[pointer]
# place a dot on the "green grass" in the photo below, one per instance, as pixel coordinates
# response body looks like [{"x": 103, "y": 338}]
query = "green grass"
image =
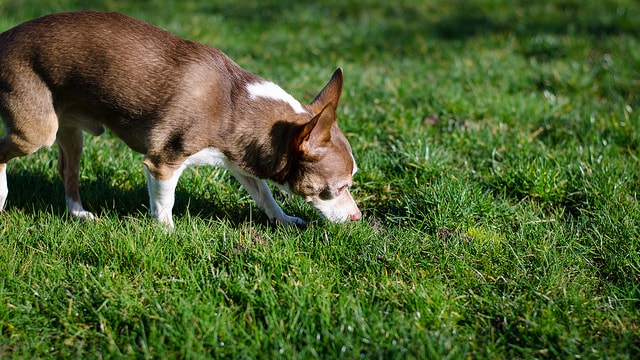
[{"x": 500, "y": 186}]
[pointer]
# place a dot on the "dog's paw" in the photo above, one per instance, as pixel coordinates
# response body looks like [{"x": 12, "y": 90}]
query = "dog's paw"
[
  {"x": 82, "y": 215},
  {"x": 165, "y": 219},
  {"x": 291, "y": 221},
  {"x": 76, "y": 211}
]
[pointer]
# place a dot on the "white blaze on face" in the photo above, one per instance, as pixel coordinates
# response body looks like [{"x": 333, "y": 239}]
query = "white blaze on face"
[{"x": 270, "y": 90}]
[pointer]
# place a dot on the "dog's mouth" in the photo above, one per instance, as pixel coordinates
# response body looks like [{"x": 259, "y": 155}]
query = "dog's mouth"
[{"x": 340, "y": 209}]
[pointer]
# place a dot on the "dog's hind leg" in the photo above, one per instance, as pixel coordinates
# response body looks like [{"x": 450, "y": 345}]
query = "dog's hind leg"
[
  {"x": 26, "y": 137},
  {"x": 69, "y": 140},
  {"x": 4, "y": 190},
  {"x": 30, "y": 123}
]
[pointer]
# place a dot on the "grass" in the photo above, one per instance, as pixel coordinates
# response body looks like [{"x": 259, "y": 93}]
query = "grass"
[{"x": 500, "y": 180}]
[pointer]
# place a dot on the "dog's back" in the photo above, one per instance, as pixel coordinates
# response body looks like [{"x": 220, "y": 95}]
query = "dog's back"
[
  {"x": 120, "y": 63},
  {"x": 111, "y": 68},
  {"x": 178, "y": 102}
]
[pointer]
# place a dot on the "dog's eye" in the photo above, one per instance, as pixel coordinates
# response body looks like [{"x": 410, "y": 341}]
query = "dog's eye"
[
  {"x": 326, "y": 194},
  {"x": 342, "y": 188}
]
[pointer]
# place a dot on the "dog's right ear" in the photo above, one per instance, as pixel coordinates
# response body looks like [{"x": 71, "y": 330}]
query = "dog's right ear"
[
  {"x": 330, "y": 94},
  {"x": 312, "y": 138}
]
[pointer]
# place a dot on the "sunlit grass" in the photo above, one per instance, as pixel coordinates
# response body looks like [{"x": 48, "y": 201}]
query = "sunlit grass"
[{"x": 499, "y": 176}]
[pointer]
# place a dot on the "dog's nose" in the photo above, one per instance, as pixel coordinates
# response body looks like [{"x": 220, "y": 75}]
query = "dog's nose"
[{"x": 356, "y": 216}]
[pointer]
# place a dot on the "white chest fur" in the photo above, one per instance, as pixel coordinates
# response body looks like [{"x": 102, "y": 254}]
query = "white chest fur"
[{"x": 206, "y": 157}]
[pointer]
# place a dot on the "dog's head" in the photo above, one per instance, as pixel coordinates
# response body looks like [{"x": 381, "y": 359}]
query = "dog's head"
[{"x": 325, "y": 165}]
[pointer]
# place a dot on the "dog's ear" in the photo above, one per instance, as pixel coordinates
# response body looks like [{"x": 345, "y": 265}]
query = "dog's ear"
[
  {"x": 315, "y": 135},
  {"x": 330, "y": 94}
]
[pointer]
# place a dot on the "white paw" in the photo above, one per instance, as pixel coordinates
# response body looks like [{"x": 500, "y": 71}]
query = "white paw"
[
  {"x": 77, "y": 211},
  {"x": 165, "y": 219},
  {"x": 82, "y": 215},
  {"x": 290, "y": 221}
]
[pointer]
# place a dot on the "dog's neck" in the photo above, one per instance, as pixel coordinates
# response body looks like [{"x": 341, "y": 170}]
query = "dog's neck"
[
  {"x": 262, "y": 142},
  {"x": 266, "y": 158}
]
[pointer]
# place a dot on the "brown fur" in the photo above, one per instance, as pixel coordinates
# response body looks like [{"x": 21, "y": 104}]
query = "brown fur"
[{"x": 164, "y": 96}]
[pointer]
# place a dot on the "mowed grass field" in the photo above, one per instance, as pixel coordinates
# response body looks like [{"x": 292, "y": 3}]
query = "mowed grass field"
[{"x": 499, "y": 179}]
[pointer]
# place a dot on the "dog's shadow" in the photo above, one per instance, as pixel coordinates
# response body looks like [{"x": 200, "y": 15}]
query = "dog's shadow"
[{"x": 32, "y": 191}]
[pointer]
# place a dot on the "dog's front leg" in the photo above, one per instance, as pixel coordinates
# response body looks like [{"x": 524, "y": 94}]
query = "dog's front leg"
[
  {"x": 162, "y": 195},
  {"x": 259, "y": 191}
]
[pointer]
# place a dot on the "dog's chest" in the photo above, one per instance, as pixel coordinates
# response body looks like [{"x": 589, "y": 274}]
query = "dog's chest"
[{"x": 207, "y": 157}]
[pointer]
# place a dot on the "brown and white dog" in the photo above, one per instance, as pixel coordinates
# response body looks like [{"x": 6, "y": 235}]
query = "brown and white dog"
[{"x": 178, "y": 102}]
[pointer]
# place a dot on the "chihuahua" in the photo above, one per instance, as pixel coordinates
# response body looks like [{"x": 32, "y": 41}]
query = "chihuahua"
[{"x": 178, "y": 102}]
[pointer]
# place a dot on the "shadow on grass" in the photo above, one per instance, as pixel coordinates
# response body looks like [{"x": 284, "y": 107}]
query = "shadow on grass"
[{"x": 32, "y": 191}]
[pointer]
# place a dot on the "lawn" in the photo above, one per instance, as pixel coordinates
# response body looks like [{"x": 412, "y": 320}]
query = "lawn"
[{"x": 499, "y": 180}]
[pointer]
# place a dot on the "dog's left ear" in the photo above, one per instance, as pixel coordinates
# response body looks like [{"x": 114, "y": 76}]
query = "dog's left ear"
[{"x": 330, "y": 94}]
